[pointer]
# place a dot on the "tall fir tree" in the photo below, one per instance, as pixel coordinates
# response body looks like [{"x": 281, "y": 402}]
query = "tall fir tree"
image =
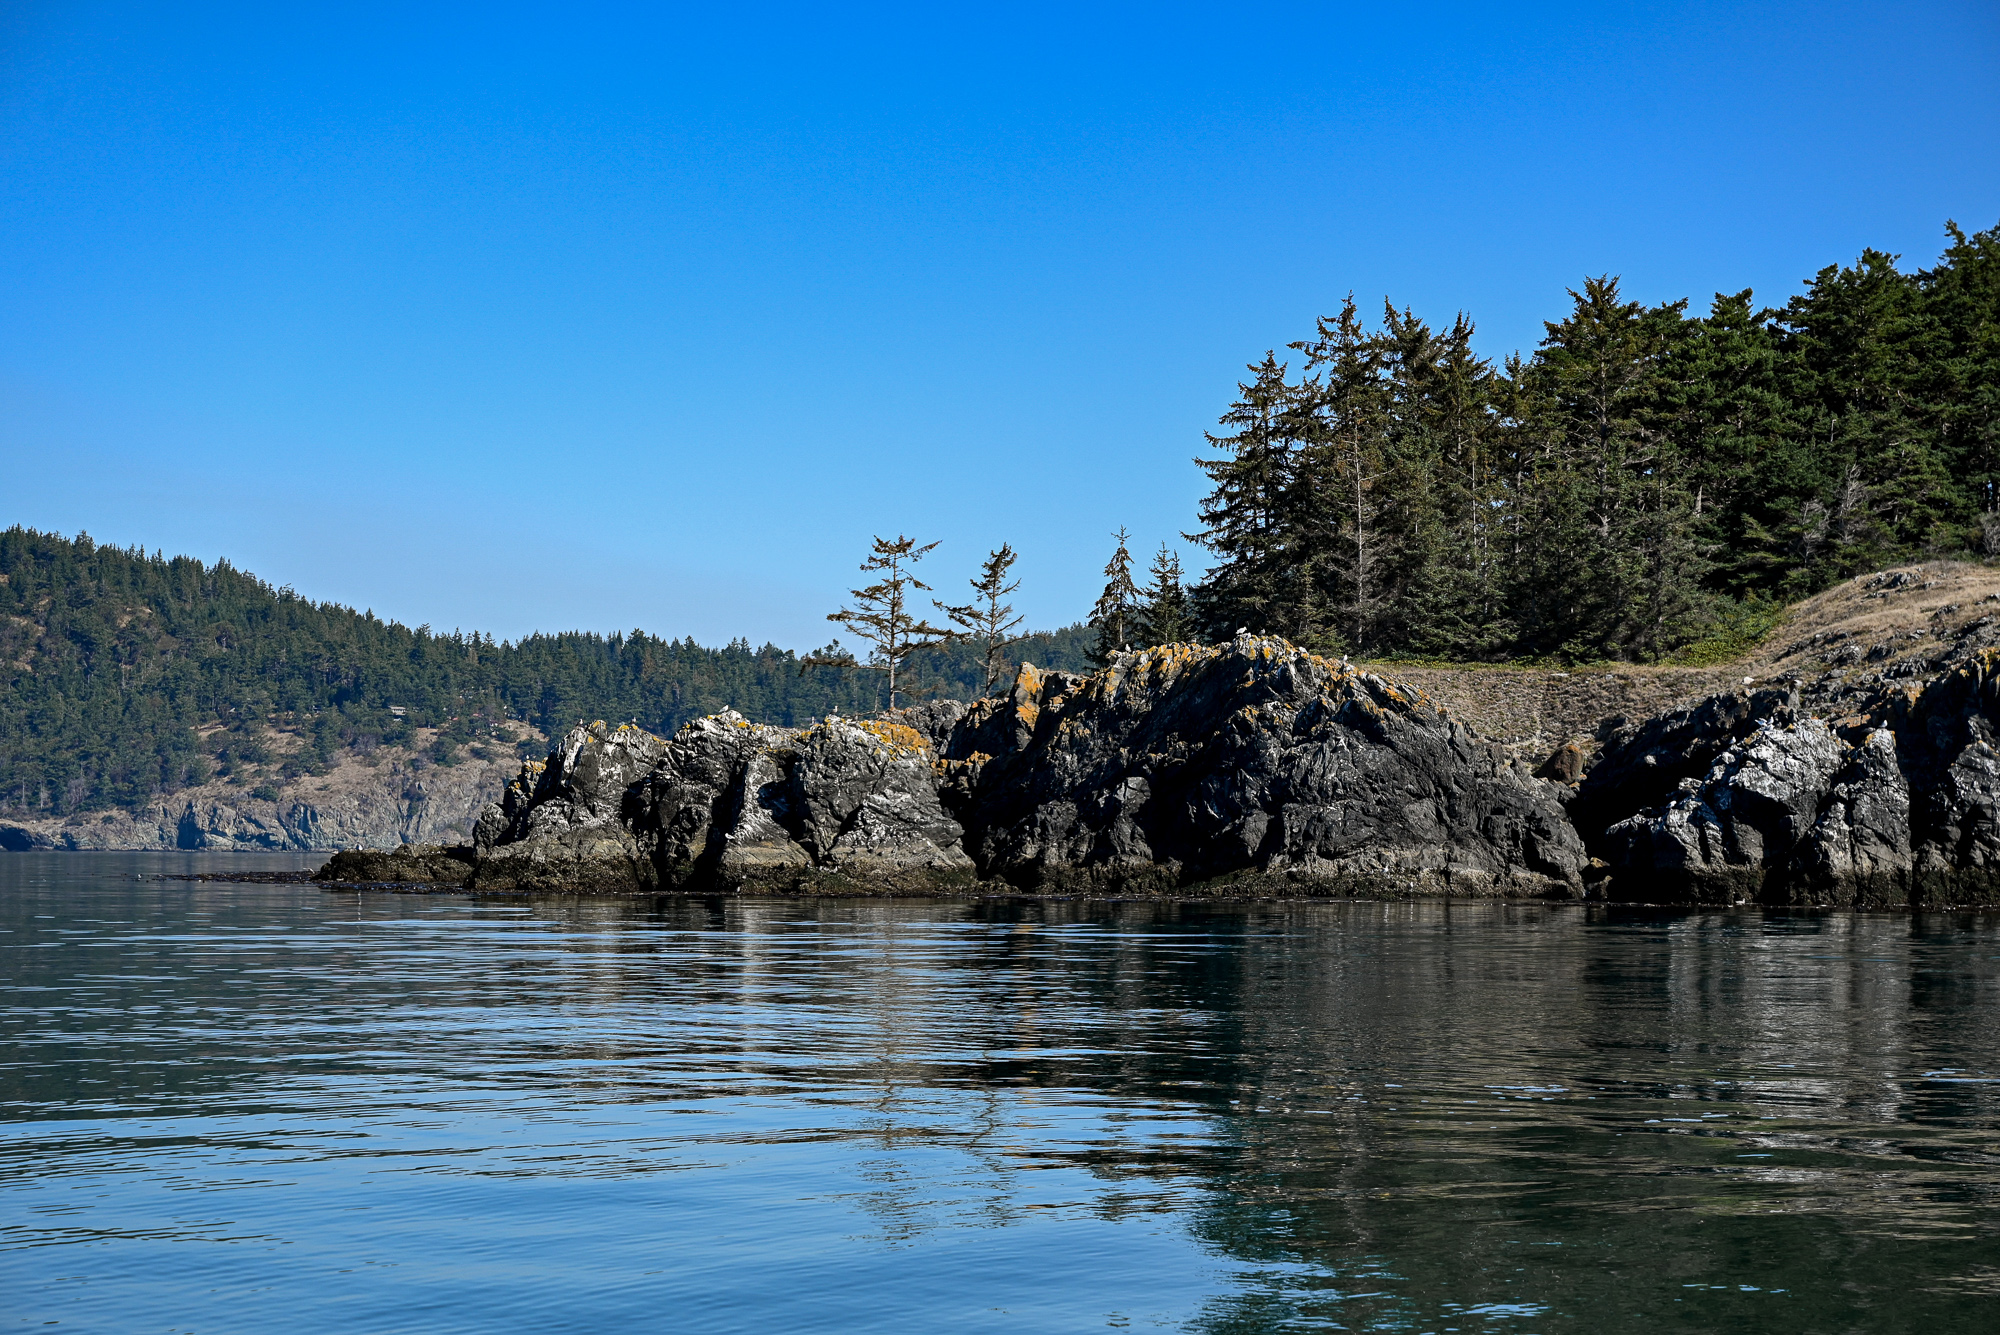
[
  {"x": 1116, "y": 614},
  {"x": 1343, "y": 510},
  {"x": 1245, "y": 518},
  {"x": 1163, "y": 608}
]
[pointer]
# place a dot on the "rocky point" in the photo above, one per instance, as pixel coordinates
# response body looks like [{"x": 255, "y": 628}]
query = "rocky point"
[{"x": 1854, "y": 761}]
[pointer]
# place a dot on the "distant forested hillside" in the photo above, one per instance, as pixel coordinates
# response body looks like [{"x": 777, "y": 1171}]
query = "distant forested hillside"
[
  {"x": 124, "y": 675},
  {"x": 1643, "y": 478}
]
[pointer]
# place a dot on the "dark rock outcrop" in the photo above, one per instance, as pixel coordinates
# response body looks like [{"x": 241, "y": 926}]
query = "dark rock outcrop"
[
  {"x": 1644, "y": 764},
  {"x": 842, "y": 805},
  {"x": 1896, "y": 802},
  {"x": 412, "y": 864},
  {"x": 1248, "y": 768},
  {"x": 1256, "y": 764},
  {"x": 1256, "y": 768}
]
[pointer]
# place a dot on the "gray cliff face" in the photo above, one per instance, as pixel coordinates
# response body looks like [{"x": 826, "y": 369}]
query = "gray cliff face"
[
  {"x": 358, "y": 806},
  {"x": 1897, "y": 802},
  {"x": 1251, "y": 765}
]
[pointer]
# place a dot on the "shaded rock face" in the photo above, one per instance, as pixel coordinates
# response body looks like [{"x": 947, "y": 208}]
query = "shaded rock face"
[
  {"x": 1722, "y": 835},
  {"x": 1643, "y": 765},
  {"x": 1255, "y": 761},
  {"x": 1896, "y": 804},
  {"x": 1254, "y": 765}
]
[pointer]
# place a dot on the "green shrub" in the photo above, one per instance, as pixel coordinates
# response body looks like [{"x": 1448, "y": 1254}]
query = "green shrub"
[{"x": 1738, "y": 628}]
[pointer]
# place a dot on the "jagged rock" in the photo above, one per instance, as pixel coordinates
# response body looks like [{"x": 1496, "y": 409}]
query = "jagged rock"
[
  {"x": 424, "y": 864},
  {"x": 1904, "y": 809},
  {"x": 1860, "y": 849},
  {"x": 724, "y": 803},
  {"x": 935, "y": 719},
  {"x": 1723, "y": 836},
  {"x": 1643, "y": 764},
  {"x": 1255, "y": 763},
  {"x": 564, "y": 823},
  {"x": 865, "y": 799}
]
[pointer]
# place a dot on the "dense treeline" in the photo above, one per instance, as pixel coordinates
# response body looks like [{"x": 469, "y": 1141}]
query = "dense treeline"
[
  {"x": 1644, "y": 476},
  {"x": 118, "y": 668}
]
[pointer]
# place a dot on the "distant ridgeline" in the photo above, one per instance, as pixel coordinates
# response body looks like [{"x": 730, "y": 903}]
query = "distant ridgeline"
[
  {"x": 1645, "y": 478},
  {"x": 116, "y": 668}
]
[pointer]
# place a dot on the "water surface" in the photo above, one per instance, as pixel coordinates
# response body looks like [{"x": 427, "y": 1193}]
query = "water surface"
[{"x": 248, "y": 1108}]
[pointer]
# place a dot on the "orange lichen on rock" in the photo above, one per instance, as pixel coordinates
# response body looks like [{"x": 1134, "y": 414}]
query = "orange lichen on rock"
[{"x": 900, "y": 738}]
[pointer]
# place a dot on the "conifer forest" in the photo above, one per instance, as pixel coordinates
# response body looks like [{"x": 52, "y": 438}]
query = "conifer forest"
[{"x": 1646, "y": 479}]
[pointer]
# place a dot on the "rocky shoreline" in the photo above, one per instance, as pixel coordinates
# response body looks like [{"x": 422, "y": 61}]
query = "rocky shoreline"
[
  {"x": 1255, "y": 769},
  {"x": 1852, "y": 758}
]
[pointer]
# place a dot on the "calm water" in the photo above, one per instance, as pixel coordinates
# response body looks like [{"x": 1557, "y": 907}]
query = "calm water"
[{"x": 263, "y": 1108}]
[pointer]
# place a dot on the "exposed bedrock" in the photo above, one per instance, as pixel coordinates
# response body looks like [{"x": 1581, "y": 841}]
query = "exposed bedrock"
[
  {"x": 1256, "y": 763},
  {"x": 842, "y": 805},
  {"x": 1251, "y": 767},
  {"x": 1896, "y": 803},
  {"x": 1258, "y": 768}
]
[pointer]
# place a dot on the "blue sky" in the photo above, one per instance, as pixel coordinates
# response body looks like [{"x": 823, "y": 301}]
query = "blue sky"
[{"x": 514, "y": 317}]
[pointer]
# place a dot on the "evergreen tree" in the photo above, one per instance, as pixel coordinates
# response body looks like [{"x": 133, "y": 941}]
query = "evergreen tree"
[
  {"x": 1345, "y": 543},
  {"x": 1448, "y": 599},
  {"x": 1163, "y": 610},
  {"x": 1245, "y": 517},
  {"x": 1116, "y": 613},
  {"x": 1610, "y": 565},
  {"x": 1955, "y": 368},
  {"x": 1727, "y": 418},
  {"x": 989, "y": 623},
  {"x": 1853, "y": 346},
  {"x": 881, "y": 616}
]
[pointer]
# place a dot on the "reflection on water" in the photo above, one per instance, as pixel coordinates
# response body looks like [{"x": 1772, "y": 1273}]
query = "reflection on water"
[{"x": 251, "y": 1108}]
